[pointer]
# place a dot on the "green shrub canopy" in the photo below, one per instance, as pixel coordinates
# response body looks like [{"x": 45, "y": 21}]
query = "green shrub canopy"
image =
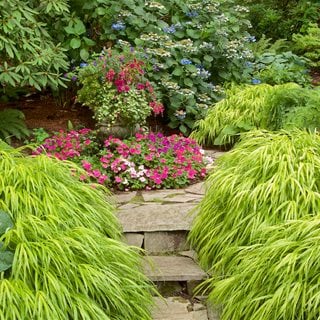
[
  {"x": 68, "y": 262},
  {"x": 259, "y": 107},
  {"x": 268, "y": 178}
]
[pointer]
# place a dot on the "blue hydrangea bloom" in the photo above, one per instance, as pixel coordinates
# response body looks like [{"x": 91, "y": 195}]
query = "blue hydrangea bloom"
[
  {"x": 192, "y": 14},
  {"x": 255, "y": 81},
  {"x": 171, "y": 29},
  {"x": 118, "y": 26},
  {"x": 185, "y": 61},
  {"x": 248, "y": 64},
  {"x": 251, "y": 39}
]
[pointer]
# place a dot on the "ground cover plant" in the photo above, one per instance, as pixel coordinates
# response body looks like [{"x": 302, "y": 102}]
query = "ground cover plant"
[
  {"x": 275, "y": 278},
  {"x": 69, "y": 262},
  {"x": 267, "y": 179},
  {"x": 258, "y": 106},
  {"x": 145, "y": 161}
]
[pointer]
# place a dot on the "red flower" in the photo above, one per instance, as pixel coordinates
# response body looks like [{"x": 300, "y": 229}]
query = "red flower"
[{"x": 110, "y": 75}]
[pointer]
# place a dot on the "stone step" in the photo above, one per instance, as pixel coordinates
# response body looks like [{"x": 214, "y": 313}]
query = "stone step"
[
  {"x": 178, "y": 308},
  {"x": 172, "y": 268},
  {"x": 157, "y": 217}
]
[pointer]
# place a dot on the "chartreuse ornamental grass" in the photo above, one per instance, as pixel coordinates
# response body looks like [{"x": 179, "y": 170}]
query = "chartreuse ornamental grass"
[
  {"x": 268, "y": 178},
  {"x": 68, "y": 260},
  {"x": 277, "y": 278},
  {"x": 259, "y": 107}
]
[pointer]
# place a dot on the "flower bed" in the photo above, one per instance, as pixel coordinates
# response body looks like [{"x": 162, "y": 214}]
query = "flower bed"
[{"x": 146, "y": 161}]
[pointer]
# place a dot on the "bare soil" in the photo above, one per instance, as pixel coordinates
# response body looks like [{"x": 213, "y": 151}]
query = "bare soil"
[{"x": 43, "y": 111}]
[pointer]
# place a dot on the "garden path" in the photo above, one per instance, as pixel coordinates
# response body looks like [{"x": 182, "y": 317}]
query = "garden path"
[{"x": 159, "y": 221}]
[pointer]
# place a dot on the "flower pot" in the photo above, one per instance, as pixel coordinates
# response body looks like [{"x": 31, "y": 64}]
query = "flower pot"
[{"x": 118, "y": 130}]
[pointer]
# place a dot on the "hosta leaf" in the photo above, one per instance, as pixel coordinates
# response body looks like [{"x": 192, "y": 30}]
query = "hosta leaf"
[
  {"x": 6, "y": 259},
  {"x": 5, "y": 222}
]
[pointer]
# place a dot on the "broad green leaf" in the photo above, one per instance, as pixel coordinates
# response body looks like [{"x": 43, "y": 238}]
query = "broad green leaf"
[
  {"x": 6, "y": 259},
  {"x": 178, "y": 71},
  {"x": 84, "y": 54},
  {"x": 5, "y": 222},
  {"x": 75, "y": 43},
  {"x": 208, "y": 58},
  {"x": 79, "y": 28}
]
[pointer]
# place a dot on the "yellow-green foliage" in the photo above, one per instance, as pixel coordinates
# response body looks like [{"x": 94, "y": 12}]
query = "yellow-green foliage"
[
  {"x": 275, "y": 279},
  {"x": 244, "y": 109},
  {"x": 68, "y": 261},
  {"x": 268, "y": 178}
]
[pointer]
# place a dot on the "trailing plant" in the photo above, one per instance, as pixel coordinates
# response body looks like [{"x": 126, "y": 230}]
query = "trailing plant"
[
  {"x": 261, "y": 106},
  {"x": 68, "y": 260},
  {"x": 276, "y": 278},
  {"x": 267, "y": 179},
  {"x": 146, "y": 161},
  {"x": 12, "y": 124},
  {"x": 308, "y": 44}
]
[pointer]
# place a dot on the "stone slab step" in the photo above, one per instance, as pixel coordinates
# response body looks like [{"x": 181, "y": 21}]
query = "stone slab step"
[
  {"x": 157, "y": 217},
  {"x": 172, "y": 268},
  {"x": 178, "y": 308}
]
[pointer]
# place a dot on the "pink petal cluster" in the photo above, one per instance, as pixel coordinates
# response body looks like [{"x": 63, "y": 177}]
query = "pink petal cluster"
[{"x": 146, "y": 161}]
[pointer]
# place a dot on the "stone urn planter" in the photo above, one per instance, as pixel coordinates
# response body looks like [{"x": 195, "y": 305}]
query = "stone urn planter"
[{"x": 118, "y": 130}]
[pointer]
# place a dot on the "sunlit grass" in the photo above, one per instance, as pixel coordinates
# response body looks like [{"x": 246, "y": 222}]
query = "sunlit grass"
[
  {"x": 69, "y": 262},
  {"x": 268, "y": 178},
  {"x": 274, "y": 279}
]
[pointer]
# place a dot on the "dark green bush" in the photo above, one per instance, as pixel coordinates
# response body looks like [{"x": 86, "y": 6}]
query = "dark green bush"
[
  {"x": 279, "y": 19},
  {"x": 308, "y": 44},
  {"x": 12, "y": 124}
]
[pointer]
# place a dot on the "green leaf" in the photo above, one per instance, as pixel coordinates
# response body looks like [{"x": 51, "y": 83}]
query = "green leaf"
[
  {"x": 188, "y": 82},
  {"x": 183, "y": 129},
  {"x": 79, "y": 28},
  {"x": 208, "y": 58},
  {"x": 89, "y": 42},
  {"x": 69, "y": 30},
  {"x": 193, "y": 33},
  {"x": 100, "y": 11},
  {"x": 6, "y": 259},
  {"x": 75, "y": 43},
  {"x": 84, "y": 54},
  {"x": 5, "y": 222},
  {"x": 191, "y": 68},
  {"x": 177, "y": 71}
]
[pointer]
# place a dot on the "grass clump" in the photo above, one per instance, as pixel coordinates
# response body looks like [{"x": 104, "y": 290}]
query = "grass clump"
[
  {"x": 275, "y": 279},
  {"x": 68, "y": 261},
  {"x": 268, "y": 178},
  {"x": 259, "y": 107}
]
